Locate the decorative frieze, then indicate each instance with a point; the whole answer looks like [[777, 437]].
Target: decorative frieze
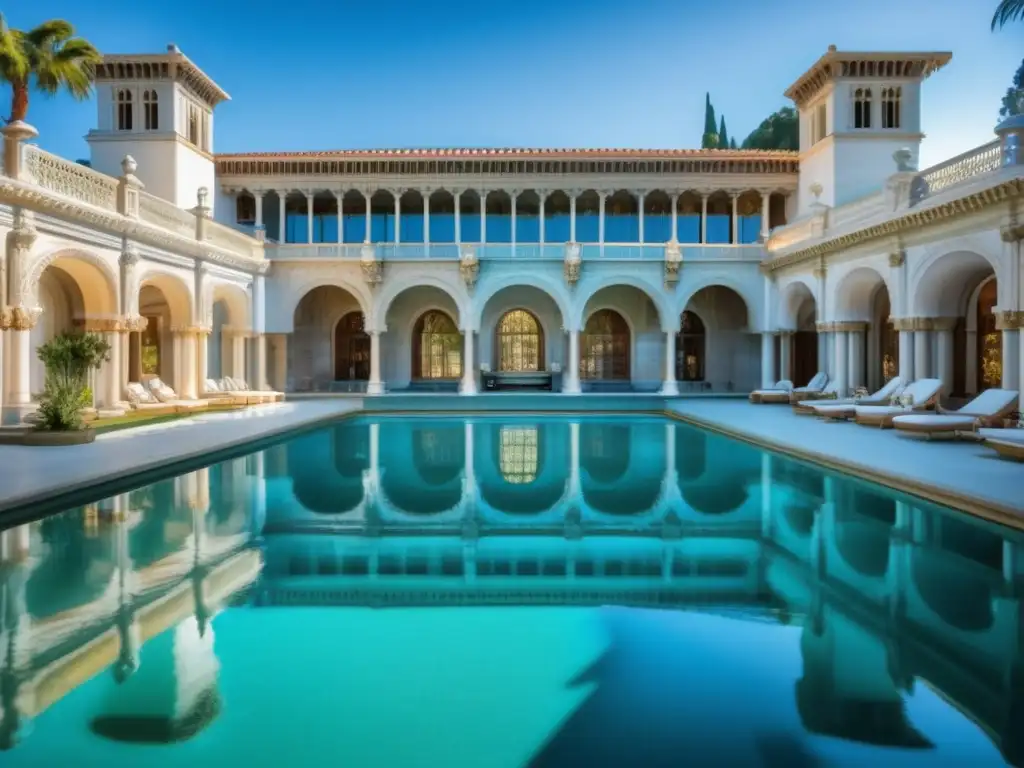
[[1010, 320], [135, 323], [923, 323], [573, 263], [839, 326]]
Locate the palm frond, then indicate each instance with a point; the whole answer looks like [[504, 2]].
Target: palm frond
[[49, 33], [13, 61], [1006, 12]]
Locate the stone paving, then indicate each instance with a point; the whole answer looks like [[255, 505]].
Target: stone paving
[[967, 471]]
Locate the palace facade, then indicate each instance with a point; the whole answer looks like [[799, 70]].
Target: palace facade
[[460, 269]]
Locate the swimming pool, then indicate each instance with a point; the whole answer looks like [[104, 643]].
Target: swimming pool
[[418, 591]]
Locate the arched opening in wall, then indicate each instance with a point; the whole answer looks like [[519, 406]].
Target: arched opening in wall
[[410, 221], [351, 348], [315, 358], [499, 217], [74, 295], [690, 345], [748, 223], [436, 347], [382, 217], [862, 297], [657, 217], [556, 217], [989, 344], [604, 347], [718, 225], [469, 216], [527, 217], [226, 346], [731, 351], [588, 217], [776, 210], [353, 214], [688, 217], [796, 359], [519, 342], [959, 289], [442, 216], [621, 218], [165, 303]]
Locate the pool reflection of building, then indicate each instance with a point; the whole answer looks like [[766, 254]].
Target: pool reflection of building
[[888, 595], [134, 595]]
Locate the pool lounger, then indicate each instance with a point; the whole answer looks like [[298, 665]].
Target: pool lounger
[[816, 387], [923, 393], [780, 393], [806, 407], [988, 408], [1009, 445], [846, 408]]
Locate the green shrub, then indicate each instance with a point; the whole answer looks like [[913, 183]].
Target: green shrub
[[68, 359]]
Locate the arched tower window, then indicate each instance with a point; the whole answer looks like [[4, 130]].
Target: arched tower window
[[519, 342], [891, 98], [149, 110], [436, 347], [351, 349], [193, 124], [605, 348], [690, 348], [124, 110], [862, 108]]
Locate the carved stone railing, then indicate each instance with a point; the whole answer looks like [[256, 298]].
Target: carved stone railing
[[977, 162], [232, 239], [856, 210], [69, 179], [167, 215]]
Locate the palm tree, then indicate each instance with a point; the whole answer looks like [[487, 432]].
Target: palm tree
[[1007, 11], [50, 57]]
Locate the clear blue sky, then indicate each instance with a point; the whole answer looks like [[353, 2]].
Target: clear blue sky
[[313, 74]]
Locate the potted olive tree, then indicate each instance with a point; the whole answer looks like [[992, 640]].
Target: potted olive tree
[[68, 359]]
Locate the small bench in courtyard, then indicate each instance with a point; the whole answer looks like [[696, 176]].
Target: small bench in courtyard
[[518, 380]]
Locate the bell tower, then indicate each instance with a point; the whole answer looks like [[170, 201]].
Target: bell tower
[[158, 109], [856, 110]]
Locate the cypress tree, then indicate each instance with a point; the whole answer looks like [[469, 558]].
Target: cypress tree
[[723, 137], [710, 138], [732, 143]]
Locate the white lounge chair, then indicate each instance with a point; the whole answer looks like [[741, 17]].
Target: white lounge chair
[[168, 396], [827, 395], [1008, 443], [987, 409], [922, 394], [846, 407], [240, 386], [144, 401], [781, 389], [218, 398], [815, 387]]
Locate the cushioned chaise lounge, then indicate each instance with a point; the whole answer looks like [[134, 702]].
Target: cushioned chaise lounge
[[218, 398], [845, 408], [781, 389], [923, 393], [168, 396], [816, 387], [144, 401], [1008, 443], [987, 409], [806, 407], [241, 387]]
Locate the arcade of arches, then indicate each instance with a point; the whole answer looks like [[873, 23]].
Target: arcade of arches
[[621, 344]]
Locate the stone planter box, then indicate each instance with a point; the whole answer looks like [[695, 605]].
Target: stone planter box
[[47, 437]]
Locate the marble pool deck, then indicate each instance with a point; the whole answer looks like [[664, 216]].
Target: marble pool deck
[[961, 474]]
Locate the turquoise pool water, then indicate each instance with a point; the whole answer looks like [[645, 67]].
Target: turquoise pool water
[[510, 592]]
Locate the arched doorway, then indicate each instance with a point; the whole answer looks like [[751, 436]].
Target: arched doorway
[[989, 344], [798, 354], [351, 348], [519, 342], [605, 347], [729, 345], [690, 345], [436, 347]]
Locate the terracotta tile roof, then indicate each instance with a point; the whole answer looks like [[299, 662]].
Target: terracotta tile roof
[[515, 152]]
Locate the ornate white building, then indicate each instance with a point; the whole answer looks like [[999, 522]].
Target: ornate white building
[[582, 269]]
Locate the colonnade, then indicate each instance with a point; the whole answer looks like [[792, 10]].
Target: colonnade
[[513, 195]]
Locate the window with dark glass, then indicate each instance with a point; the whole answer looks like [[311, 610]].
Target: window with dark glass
[[436, 347], [690, 348], [245, 209], [862, 108], [519, 342], [990, 340], [150, 115], [605, 347], [351, 349], [891, 98], [124, 110]]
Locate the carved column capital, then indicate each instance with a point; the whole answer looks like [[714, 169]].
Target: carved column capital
[[21, 318], [1010, 320], [897, 258]]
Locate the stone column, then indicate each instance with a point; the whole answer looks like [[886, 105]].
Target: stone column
[[19, 359], [513, 196], [765, 203], [735, 218], [841, 359], [309, 216], [855, 358], [258, 376], [785, 355], [540, 213], [704, 219], [457, 195], [185, 363], [339, 197], [397, 194], [825, 349], [922, 349], [944, 353], [572, 216], [282, 216], [571, 378], [640, 196], [483, 216], [374, 386], [202, 358], [426, 216], [468, 385], [768, 375], [367, 196], [906, 341], [281, 362], [669, 387], [600, 218], [674, 197], [113, 394], [257, 196], [1011, 348]]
